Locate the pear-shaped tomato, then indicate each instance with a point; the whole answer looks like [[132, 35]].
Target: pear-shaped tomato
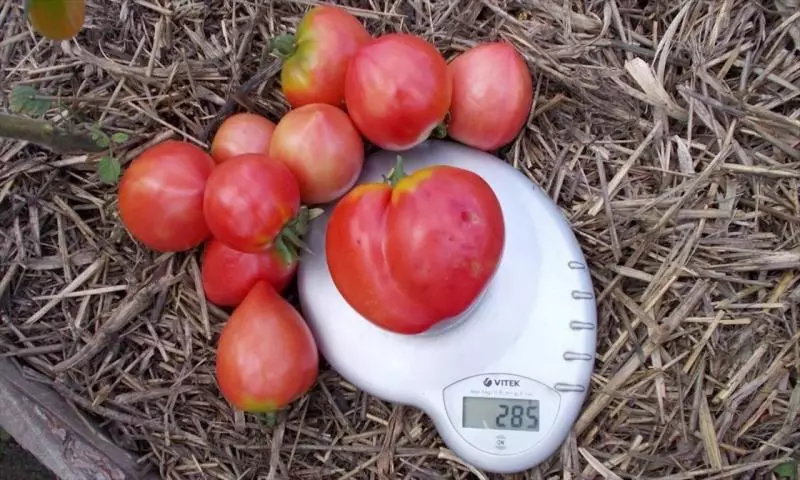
[[228, 274], [416, 250], [317, 56], [398, 90], [492, 96], [56, 19], [266, 355]]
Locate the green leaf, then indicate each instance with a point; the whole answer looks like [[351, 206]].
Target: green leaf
[[787, 470], [119, 137], [24, 99], [109, 169], [100, 138]]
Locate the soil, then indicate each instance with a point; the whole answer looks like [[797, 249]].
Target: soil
[[16, 463]]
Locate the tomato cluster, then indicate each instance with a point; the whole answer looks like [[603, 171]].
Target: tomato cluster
[[406, 253]]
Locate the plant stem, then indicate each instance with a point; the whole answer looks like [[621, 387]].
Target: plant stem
[[48, 135], [397, 172]]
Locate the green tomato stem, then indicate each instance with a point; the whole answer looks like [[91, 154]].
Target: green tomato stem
[[397, 173], [284, 45], [440, 131]]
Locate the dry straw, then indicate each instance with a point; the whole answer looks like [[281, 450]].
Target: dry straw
[[667, 131]]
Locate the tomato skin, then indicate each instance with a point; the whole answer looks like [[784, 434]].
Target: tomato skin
[[398, 89], [228, 275], [322, 148], [409, 257], [492, 96], [248, 200], [266, 354], [56, 19], [326, 39], [161, 196], [241, 133]]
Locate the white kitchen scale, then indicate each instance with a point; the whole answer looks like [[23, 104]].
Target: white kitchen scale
[[504, 382]]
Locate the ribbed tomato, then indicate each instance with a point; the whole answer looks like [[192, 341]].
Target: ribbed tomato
[[161, 196], [417, 250], [228, 275], [241, 133], [56, 19], [492, 96], [248, 201], [398, 90], [266, 354], [322, 148], [317, 56]]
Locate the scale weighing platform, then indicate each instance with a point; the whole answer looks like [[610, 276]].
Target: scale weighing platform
[[504, 382]]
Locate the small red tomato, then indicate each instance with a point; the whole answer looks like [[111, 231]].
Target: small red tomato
[[492, 96], [398, 90], [415, 252], [248, 200], [266, 354], [241, 133], [56, 19], [322, 148], [161, 196], [315, 65], [228, 274]]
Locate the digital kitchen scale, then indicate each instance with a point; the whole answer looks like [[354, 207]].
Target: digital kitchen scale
[[503, 383]]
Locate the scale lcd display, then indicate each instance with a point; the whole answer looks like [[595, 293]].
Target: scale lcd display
[[501, 413]]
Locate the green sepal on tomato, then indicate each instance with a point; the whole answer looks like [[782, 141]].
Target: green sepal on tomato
[[266, 354], [417, 249], [161, 196], [398, 90], [56, 19], [316, 57], [228, 275]]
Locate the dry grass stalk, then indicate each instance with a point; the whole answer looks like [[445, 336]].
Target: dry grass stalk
[[669, 133]]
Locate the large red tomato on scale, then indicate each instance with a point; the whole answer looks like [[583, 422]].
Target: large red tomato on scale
[[161, 196], [417, 250], [228, 275], [316, 57], [248, 201], [241, 133], [398, 90], [266, 354], [322, 148], [492, 96]]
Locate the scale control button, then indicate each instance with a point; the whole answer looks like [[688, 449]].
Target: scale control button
[[573, 265], [500, 442], [571, 356], [569, 387], [578, 325], [582, 295]]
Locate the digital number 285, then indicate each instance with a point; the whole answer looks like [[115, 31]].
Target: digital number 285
[[516, 416]]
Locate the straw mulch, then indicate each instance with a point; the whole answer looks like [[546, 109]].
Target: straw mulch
[[668, 132]]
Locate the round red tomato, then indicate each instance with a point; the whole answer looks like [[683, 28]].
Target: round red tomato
[[228, 274], [409, 256], [322, 148], [492, 96], [161, 196], [241, 133], [266, 354], [248, 200], [314, 69], [398, 90], [56, 19]]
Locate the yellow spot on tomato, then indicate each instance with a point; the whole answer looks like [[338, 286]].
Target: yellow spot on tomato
[[410, 183]]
